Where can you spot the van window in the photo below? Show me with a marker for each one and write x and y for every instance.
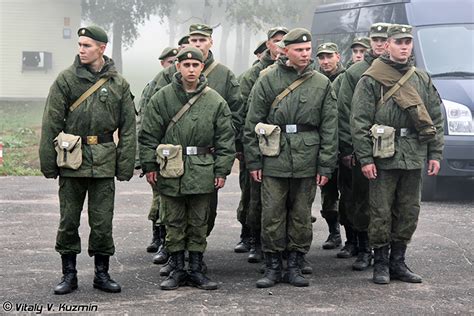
(344, 20)
(386, 13)
(447, 48)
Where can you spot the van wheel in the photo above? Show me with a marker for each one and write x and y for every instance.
(429, 192)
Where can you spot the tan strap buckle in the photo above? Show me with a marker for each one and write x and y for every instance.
(92, 140)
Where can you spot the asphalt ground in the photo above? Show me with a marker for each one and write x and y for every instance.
(442, 252)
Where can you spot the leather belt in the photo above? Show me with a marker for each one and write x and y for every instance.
(296, 128)
(403, 132)
(193, 150)
(98, 139)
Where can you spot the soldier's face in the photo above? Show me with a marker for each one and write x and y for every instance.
(190, 69)
(378, 45)
(203, 43)
(358, 53)
(271, 44)
(168, 61)
(328, 62)
(90, 50)
(299, 54)
(399, 49)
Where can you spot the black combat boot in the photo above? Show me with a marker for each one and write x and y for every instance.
(334, 238)
(255, 255)
(294, 276)
(398, 267)
(162, 255)
(155, 241)
(273, 270)
(169, 266)
(196, 277)
(350, 248)
(102, 280)
(178, 276)
(304, 265)
(69, 280)
(364, 257)
(381, 270)
(244, 243)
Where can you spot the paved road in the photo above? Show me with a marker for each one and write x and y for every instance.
(442, 252)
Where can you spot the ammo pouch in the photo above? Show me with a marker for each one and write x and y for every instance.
(69, 149)
(170, 159)
(384, 141)
(268, 139)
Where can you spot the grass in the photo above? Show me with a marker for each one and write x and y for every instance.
(20, 124)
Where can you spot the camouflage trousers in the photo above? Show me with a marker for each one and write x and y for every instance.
(100, 210)
(286, 213)
(244, 182)
(186, 219)
(394, 206)
(330, 199)
(360, 193)
(346, 205)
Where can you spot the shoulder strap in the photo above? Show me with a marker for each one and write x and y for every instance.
(86, 94)
(186, 107)
(292, 87)
(397, 86)
(210, 68)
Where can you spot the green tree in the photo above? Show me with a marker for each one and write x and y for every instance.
(123, 17)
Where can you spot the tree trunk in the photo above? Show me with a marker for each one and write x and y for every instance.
(172, 33)
(238, 68)
(207, 15)
(246, 52)
(223, 42)
(117, 45)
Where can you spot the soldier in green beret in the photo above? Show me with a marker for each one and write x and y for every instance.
(357, 223)
(89, 121)
(249, 209)
(168, 56)
(410, 117)
(295, 151)
(199, 141)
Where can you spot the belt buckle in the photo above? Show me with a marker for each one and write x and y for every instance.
(191, 150)
(291, 128)
(403, 132)
(92, 140)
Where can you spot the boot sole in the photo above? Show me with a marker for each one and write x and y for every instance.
(381, 281)
(241, 250)
(62, 293)
(202, 287)
(105, 289)
(405, 280)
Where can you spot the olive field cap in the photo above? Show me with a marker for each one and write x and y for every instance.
(200, 29)
(362, 41)
(262, 46)
(298, 35)
(328, 48)
(399, 31)
(183, 40)
(94, 32)
(168, 52)
(275, 30)
(379, 30)
(190, 53)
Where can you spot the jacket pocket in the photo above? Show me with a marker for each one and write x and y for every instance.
(199, 173)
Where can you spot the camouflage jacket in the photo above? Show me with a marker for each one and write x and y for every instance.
(409, 152)
(313, 103)
(335, 78)
(110, 108)
(207, 123)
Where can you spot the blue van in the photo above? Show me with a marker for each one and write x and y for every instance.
(443, 46)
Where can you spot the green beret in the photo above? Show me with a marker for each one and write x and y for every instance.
(200, 29)
(275, 30)
(190, 53)
(329, 48)
(168, 52)
(362, 41)
(379, 30)
(399, 31)
(298, 35)
(183, 40)
(94, 32)
(262, 46)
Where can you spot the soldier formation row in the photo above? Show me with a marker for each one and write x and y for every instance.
(365, 131)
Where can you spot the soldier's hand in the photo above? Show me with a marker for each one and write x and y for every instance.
(433, 167)
(348, 161)
(152, 177)
(256, 175)
(321, 180)
(370, 171)
(219, 183)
